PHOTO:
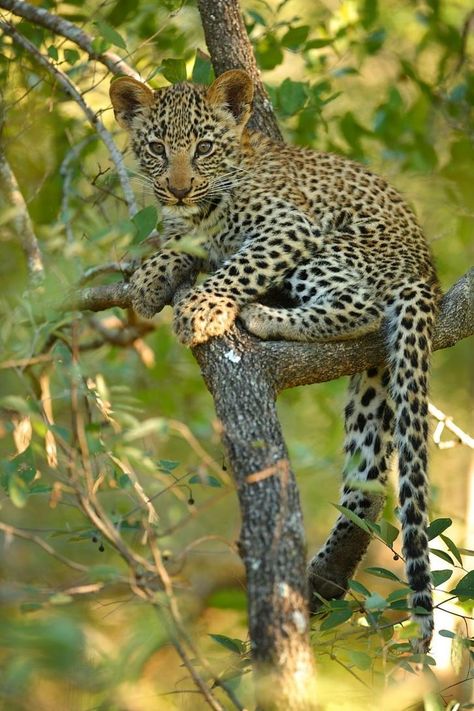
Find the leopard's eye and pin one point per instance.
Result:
(157, 149)
(203, 148)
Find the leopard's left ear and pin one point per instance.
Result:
(233, 90)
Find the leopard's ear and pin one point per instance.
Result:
(233, 90)
(128, 96)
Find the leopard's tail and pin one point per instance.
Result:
(409, 322)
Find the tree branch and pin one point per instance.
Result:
(21, 220)
(41, 17)
(71, 90)
(230, 48)
(293, 363)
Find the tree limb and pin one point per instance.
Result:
(41, 17)
(71, 90)
(293, 363)
(21, 220)
(230, 48)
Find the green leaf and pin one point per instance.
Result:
(174, 70)
(397, 595)
(438, 526)
(295, 37)
(336, 618)
(452, 547)
(465, 587)
(382, 573)
(358, 587)
(268, 51)
(360, 659)
(375, 602)
(440, 576)
(257, 17)
(318, 43)
(234, 645)
(145, 222)
(18, 490)
(110, 35)
(206, 480)
(388, 532)
(71, 56)
(442, 554)
(369, 13)
(353, 517)
(202, 70)
(291, 97)
(167, 465)
(53, 52)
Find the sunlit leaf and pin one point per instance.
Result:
(452, 548)
(109, 34)
(438, 526)
(336, 618)
(174, 70)
(382, 573)
(145, 222)
(465, 587)
(234, 645)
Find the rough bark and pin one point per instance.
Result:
(272, 536)
(230, 48)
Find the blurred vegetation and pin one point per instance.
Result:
(390, 84)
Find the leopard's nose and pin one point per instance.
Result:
(180, 193)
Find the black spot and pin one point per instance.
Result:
(368, 396)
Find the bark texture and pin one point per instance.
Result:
(230, 48)
(272, 536)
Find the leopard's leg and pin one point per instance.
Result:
(154, 283)
(369, 424)
(341, 315)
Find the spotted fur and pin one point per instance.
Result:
(338, 246)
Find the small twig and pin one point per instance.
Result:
(444, 421)
(26, 362)
(20, 533)
(41, 17)
(65, 172)
(22, 221)
(125, 268)
(71, 90)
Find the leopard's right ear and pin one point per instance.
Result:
(128, 96)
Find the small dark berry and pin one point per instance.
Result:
(396, 557)
(102, 548)
(190, 501)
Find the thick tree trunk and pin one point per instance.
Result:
(272, 536)
(230, 48)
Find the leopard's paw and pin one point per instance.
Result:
(149, 292)
(202, 315)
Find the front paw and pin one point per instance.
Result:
(202, 315)
(149, 293)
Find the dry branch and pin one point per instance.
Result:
(41, 17)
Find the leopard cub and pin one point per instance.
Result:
(337, 244)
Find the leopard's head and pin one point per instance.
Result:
(187, 137)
